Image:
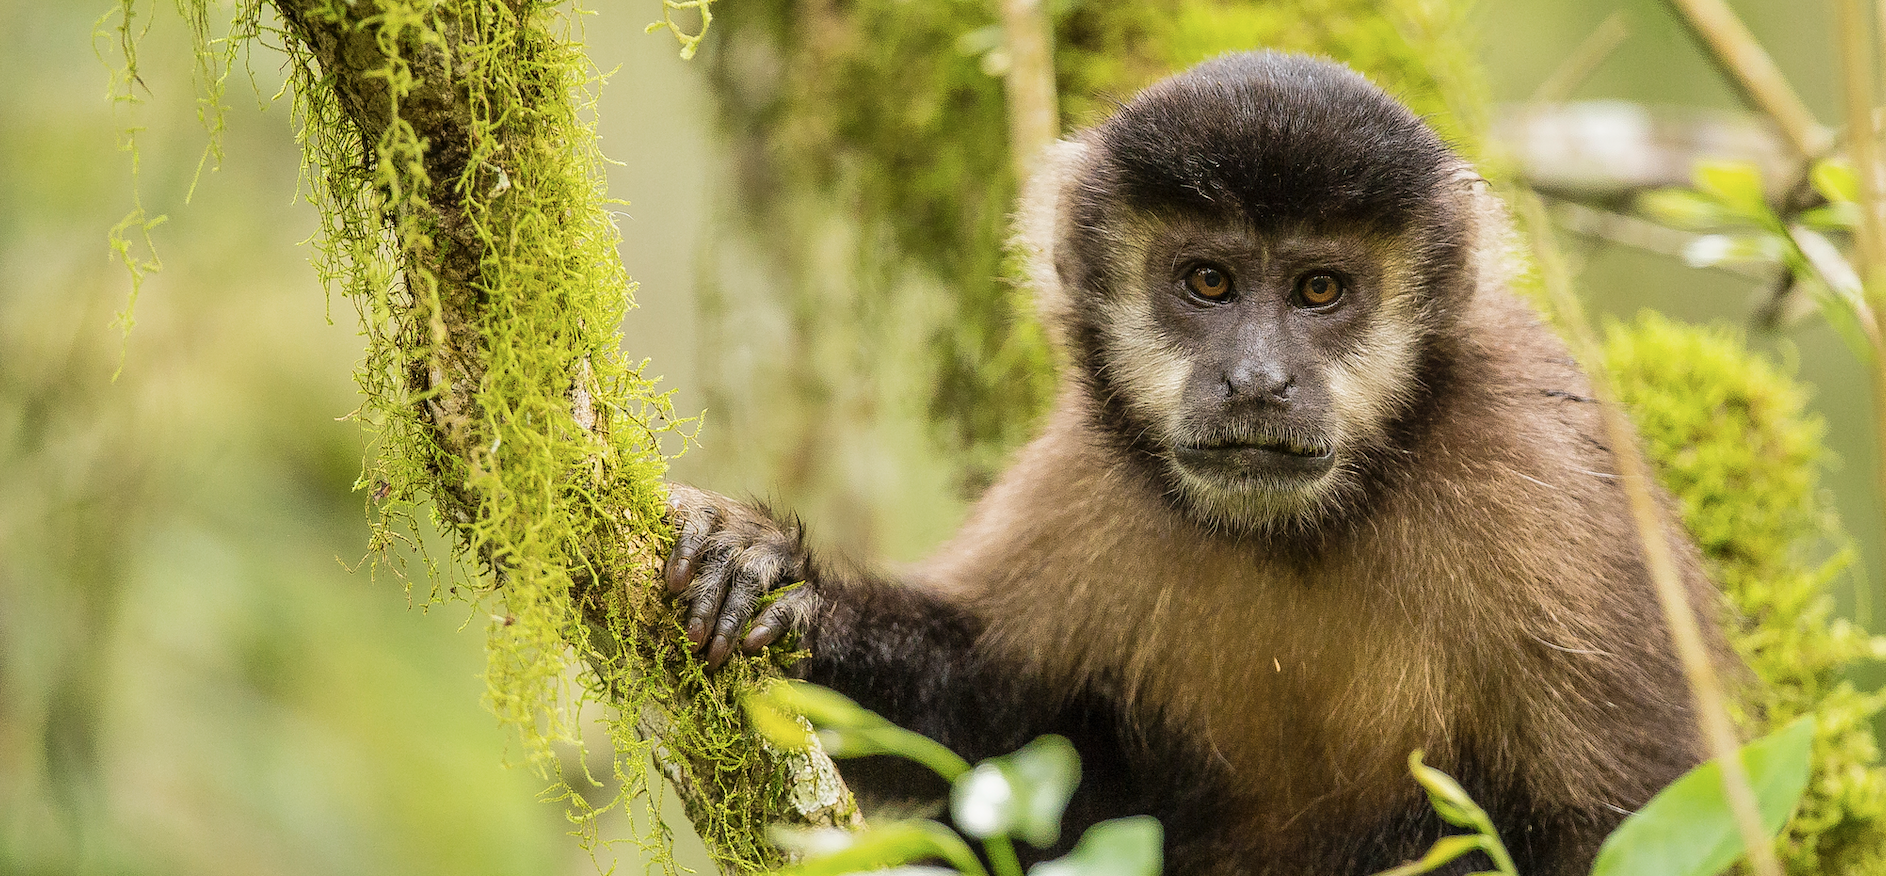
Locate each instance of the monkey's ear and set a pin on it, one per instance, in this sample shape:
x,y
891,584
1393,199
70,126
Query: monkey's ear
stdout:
x,y
1041,226
1465,177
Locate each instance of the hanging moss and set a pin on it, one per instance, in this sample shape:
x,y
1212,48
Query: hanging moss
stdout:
x,y
450,149
1730,436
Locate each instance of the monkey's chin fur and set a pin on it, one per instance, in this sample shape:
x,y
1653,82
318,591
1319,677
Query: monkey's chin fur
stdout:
x,y
1253,486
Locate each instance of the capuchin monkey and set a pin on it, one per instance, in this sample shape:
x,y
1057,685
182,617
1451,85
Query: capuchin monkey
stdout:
x,y
1317,491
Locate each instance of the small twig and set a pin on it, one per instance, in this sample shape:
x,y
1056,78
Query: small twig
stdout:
x,y
1753,72
1583,61
1856,56
1825,260
1034,116
1604,151
1685,633
1643,234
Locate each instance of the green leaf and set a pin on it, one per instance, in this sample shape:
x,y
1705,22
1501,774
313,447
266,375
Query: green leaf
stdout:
x,y
1444,850
983,802
1045,773
783,729
1735,184
1838,310
1450,800
1714,249
1837,216
1687,829
1824,272
847,729
1682,208
1836,181
1021,794
1121,847
823,706
833,852
1453,804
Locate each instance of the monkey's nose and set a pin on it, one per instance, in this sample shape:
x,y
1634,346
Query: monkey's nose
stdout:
x,y
1260,382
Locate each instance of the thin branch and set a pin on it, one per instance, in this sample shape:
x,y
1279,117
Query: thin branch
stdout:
x,y
1753,72
1034,117
1857,65
1583,61
1685,633
1605,151
1856,56
1643,234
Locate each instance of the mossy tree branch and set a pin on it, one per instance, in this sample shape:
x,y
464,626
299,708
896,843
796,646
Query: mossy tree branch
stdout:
x,y
462,211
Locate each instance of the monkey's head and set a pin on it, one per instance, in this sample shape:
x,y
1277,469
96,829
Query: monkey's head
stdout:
x,y
1249,265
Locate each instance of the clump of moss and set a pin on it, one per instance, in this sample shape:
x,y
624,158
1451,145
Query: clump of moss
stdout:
x,y
1729,434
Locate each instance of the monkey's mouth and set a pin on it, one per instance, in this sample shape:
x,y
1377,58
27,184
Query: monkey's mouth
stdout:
x,y
1256,462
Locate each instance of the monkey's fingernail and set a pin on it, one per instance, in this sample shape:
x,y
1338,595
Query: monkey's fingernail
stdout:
x,y
717,653
758,638
697,632
678,575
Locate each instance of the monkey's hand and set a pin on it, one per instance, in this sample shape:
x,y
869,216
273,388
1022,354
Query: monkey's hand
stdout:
x,y
728,557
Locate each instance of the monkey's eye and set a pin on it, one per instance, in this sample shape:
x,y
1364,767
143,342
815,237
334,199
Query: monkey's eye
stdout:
x,y
1319,290
1209,283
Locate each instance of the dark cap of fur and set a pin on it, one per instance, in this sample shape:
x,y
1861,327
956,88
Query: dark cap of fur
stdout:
x,y
1286,140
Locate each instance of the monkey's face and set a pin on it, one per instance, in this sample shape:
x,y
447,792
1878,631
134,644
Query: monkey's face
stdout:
x,y
1260,370
1247,262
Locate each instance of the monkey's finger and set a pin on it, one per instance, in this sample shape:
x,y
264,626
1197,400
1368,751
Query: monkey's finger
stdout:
x,y
705,596
759,570
784,614
695,524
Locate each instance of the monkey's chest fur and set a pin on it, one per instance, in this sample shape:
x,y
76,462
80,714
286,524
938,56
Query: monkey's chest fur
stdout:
x,y
1295,685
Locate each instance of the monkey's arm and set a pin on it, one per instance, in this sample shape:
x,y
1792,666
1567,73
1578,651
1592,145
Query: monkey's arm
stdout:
x,y
901,651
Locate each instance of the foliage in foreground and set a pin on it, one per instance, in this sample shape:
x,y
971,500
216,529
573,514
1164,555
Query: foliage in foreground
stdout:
x,y
1002,799
1686,830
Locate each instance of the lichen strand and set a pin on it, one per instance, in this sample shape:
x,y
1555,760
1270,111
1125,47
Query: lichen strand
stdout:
x,y
1730,436
895,110
462,211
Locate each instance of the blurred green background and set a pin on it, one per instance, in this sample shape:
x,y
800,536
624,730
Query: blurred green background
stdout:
x,y
191,679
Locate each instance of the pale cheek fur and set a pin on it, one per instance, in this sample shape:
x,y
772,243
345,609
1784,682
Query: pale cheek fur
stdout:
x,y
1150,374
1368,385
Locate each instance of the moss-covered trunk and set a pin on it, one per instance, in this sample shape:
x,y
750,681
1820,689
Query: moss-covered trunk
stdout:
x,y
463,213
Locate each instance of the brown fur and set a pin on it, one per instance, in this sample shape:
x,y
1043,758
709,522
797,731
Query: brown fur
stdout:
x,y
1483,600
1496,596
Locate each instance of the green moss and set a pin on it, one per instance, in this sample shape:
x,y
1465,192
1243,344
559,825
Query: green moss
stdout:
x,y
450,149
1730,436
